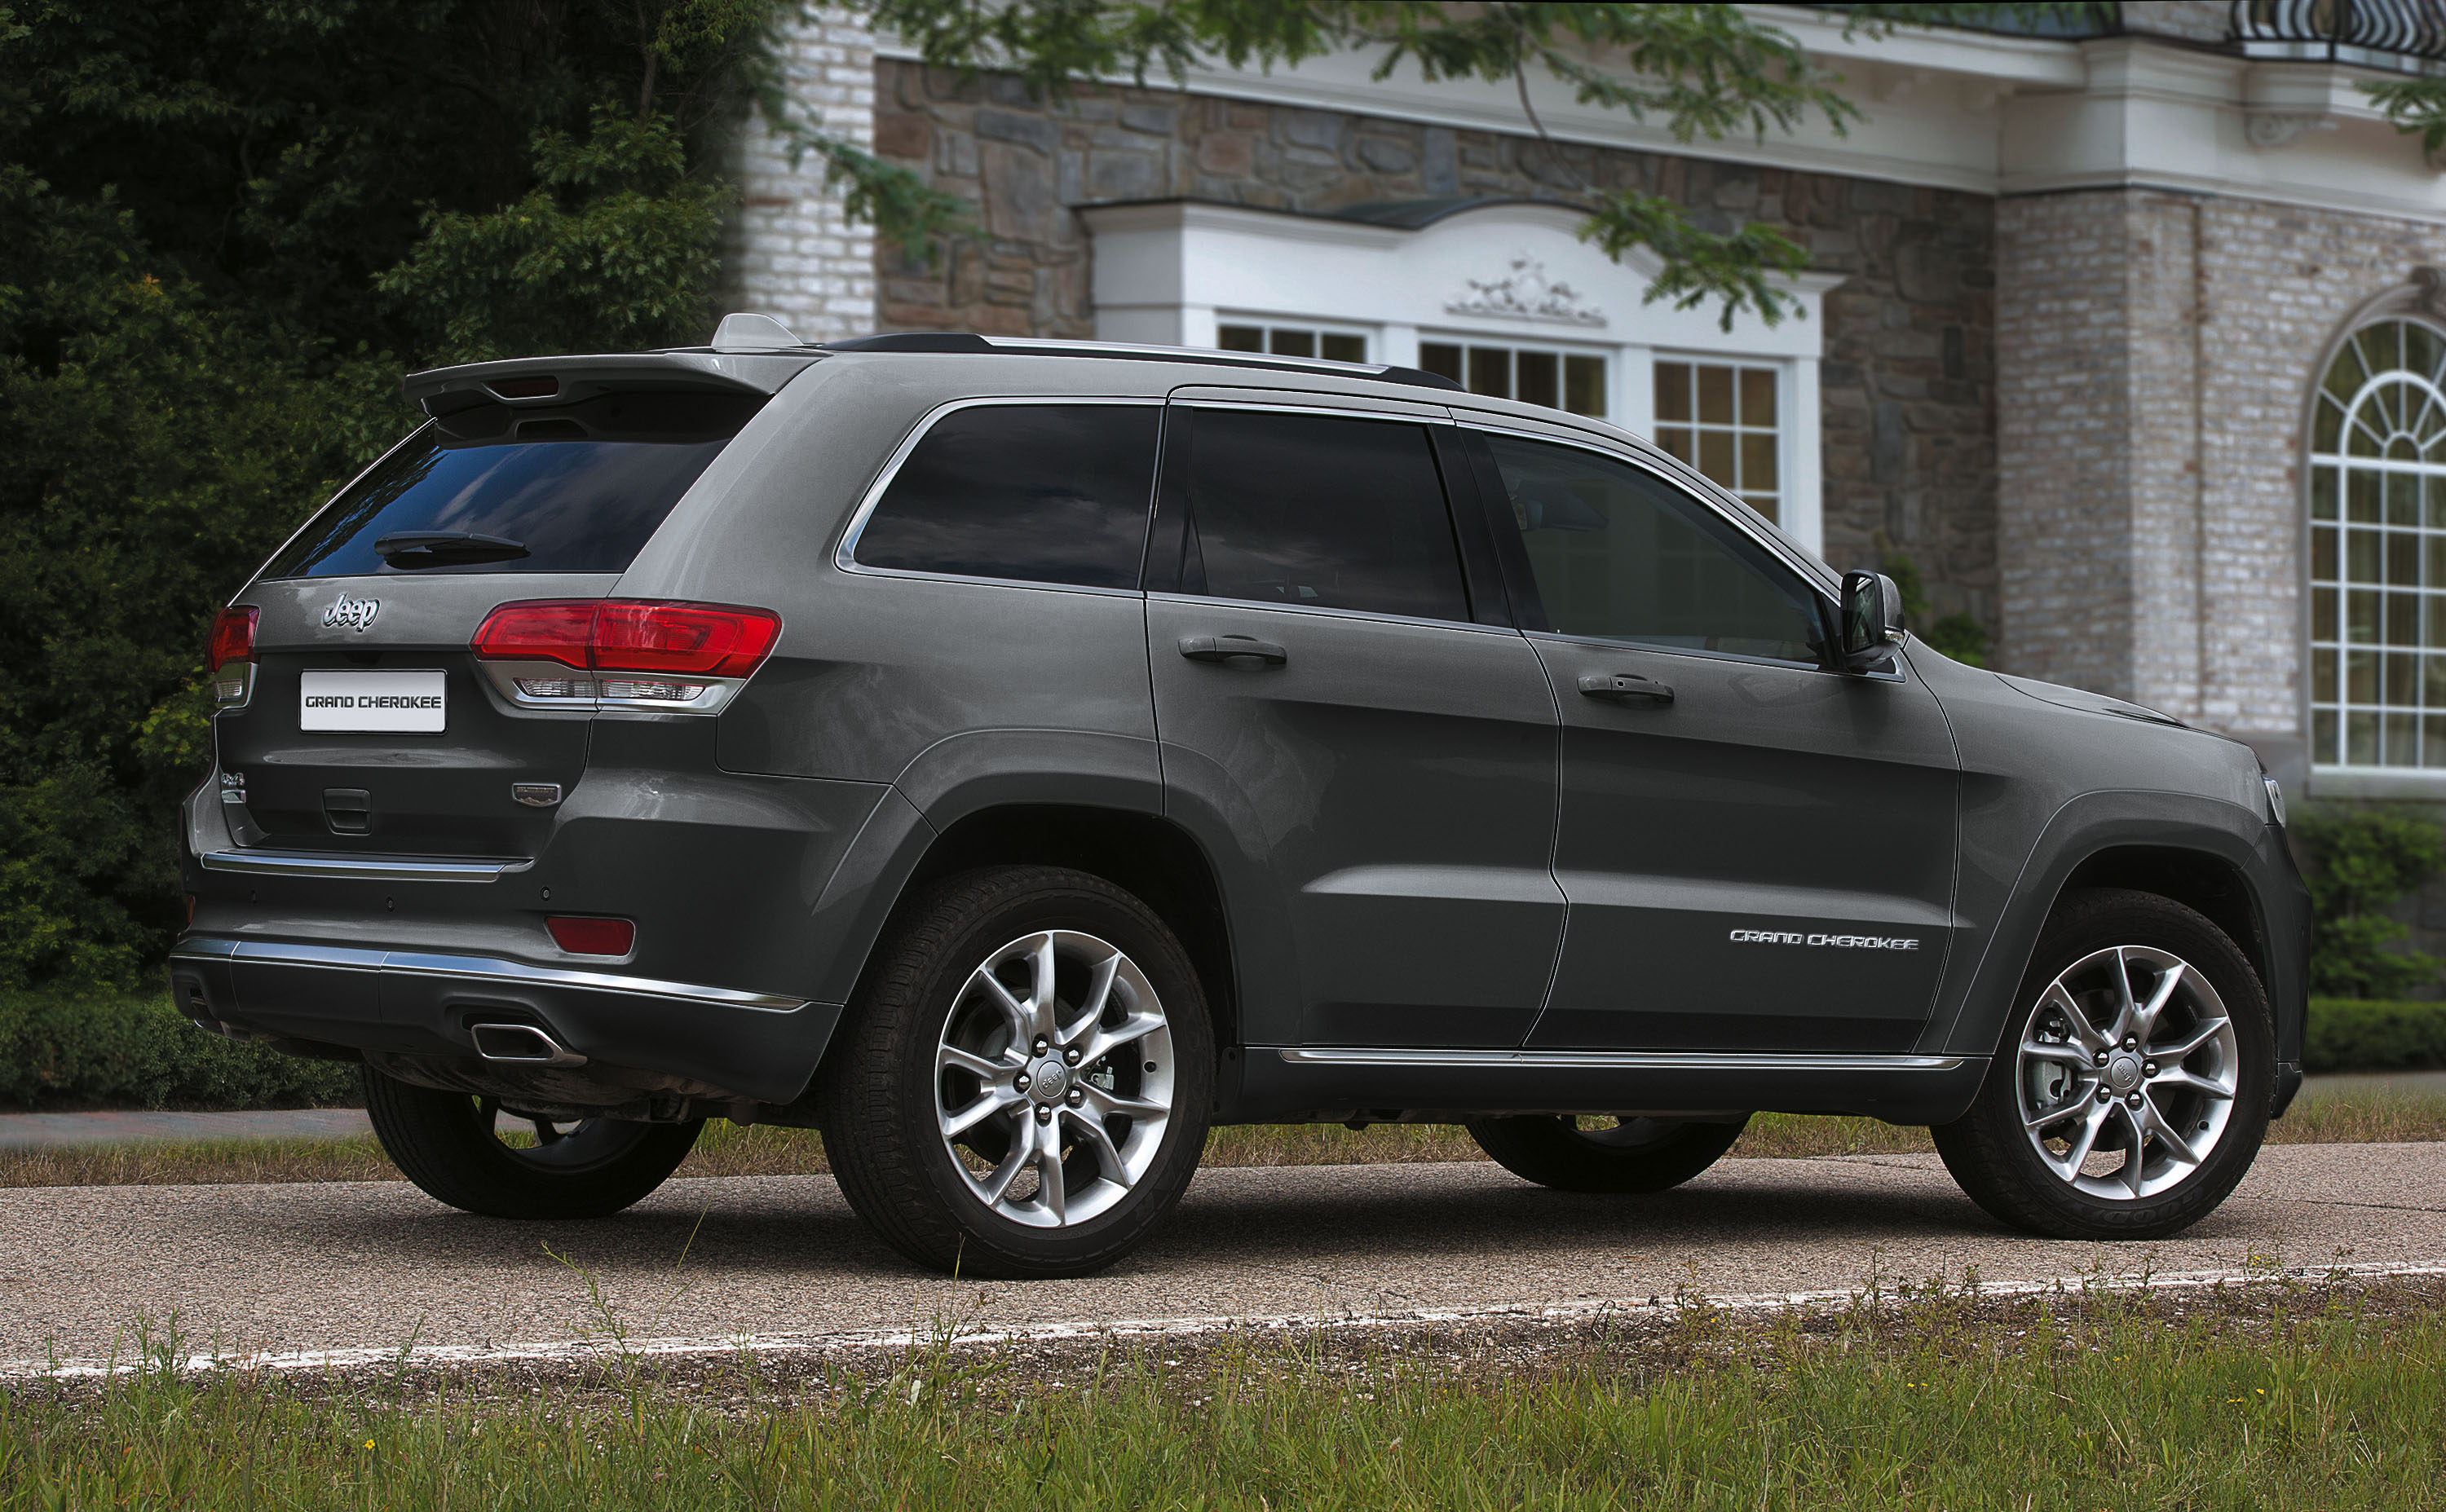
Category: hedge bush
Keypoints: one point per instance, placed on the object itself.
(62, 1051)
(2349, 1034)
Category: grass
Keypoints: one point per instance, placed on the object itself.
(2357, 1115)
(2257, 1398)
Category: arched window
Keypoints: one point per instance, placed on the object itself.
(2378, 553)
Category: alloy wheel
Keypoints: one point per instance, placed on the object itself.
(1053, 1079)
(2127, 1073)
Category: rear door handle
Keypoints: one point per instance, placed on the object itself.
(1230, 650)
(1624, 687)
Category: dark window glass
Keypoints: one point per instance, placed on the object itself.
(573, 488)
(1041, 492)
(1621, 554)
(1323, 512)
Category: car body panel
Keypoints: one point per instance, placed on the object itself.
(1387, 818)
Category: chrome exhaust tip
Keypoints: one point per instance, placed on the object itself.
(521, 1045)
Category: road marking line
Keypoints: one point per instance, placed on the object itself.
(595, 1351)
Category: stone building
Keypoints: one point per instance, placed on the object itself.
(2134, 341)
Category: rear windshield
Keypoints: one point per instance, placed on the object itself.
(573, 488)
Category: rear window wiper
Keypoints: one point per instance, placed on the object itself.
(436, 548)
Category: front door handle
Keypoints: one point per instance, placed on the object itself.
(1624, 687)
(1231, 649)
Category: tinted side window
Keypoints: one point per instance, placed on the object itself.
(1042, 492)
(572, 487)
(1315, 511)
(1619, 553)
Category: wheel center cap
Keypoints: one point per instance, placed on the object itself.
(1048, 1082)
(2123, 1071)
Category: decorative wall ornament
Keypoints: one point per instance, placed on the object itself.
(2431, 281)
(2275, 128)
(1526, 294)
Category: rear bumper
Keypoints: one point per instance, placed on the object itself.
(755, 1046)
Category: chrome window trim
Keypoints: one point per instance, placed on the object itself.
(1331, 611)
(1616, 1060)
(476, 968)
(1609, 644)
(339, 866)
(845, 554)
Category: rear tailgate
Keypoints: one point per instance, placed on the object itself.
(363, 721)
(481, 780)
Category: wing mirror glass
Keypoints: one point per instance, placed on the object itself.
(1873, 621)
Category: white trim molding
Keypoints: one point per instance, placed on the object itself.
(1502, 272)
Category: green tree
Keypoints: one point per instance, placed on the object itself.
(1706, 72)
(2362, 862)
(226, 227)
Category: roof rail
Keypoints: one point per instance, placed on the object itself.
(961, 341)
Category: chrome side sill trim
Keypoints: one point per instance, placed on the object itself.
(386, 869)
(1614, 1060)
(478, 969)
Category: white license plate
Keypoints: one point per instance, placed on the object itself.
(402, 702)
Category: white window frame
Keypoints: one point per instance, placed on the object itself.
(1171, 273)
(1272, 321)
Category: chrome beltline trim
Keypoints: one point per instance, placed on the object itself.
(476, 968)
(1614, 1060)
(386, 868)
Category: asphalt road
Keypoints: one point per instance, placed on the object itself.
(288, 1268)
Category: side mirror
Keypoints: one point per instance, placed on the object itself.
(1873, 621)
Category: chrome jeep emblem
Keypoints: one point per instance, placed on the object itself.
(354, 614)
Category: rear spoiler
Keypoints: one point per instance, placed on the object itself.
(525, 381)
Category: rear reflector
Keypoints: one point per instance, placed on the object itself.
(632, 635)
(231, 657)
(592, 937)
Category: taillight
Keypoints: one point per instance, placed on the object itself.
(706, 640)
(645, 653)
(231, 658)
(539, 631)
(592, 937)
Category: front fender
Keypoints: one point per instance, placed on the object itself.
(2095, 822)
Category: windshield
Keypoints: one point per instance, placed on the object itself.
(573, 488)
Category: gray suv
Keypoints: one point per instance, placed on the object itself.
(1016, 758)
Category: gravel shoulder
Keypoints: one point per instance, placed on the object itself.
(285, 1268)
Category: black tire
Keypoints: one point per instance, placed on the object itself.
(1573, 1154)
(1999, 1164)
(443, 1142)
(882, 1088)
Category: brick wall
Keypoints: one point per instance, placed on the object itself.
(791, 251)
(1909, 369)
(2157, 353)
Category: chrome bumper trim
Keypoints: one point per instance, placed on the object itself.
(1614, 1060)
(383, 868)
(476, 969)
